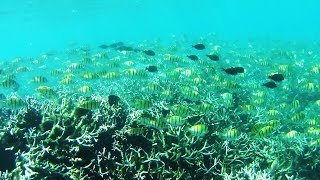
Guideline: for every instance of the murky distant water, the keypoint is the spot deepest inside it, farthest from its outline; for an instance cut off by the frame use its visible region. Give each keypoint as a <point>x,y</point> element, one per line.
<point>36,26</point>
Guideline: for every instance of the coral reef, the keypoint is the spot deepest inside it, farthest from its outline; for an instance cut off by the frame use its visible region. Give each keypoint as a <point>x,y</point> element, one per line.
<point>65,142</point>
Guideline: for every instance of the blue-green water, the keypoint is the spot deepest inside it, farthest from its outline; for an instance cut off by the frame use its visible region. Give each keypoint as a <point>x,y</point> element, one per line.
<point>36,26</point>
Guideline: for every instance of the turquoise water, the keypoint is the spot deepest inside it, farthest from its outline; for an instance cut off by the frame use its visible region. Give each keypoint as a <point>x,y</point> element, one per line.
<point>36,26</point>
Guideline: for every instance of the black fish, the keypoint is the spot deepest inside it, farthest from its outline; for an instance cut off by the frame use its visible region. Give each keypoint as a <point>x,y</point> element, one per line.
<point>152,68</point>
<point>270,84</point>
<point>213,57</point>
<point>193,57</point>
<point>276,77</point>
<point>116,45</point>
<point>78,112</point>
<point>165,112</point>
<point>113,100</point>
<point>125,48</point>
<point>7,157</point>
<point>149,52</point>
<point>199,46</point>
<point>234,70</point>
<point>136,50</point>
<point>103,46</point>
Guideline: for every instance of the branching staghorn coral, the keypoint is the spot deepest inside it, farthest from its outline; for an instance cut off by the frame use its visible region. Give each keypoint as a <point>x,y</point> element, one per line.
<point>64,141</point>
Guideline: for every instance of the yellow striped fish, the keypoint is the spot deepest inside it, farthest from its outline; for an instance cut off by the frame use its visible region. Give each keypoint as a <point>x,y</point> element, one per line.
<point>9,83</point>
<point>258,101</point>
<point>46,91</point>
<point>142,104</point>
<point>85,89</point>
<point>310,86</point>
<point>187,72</point>
<point>89,75</point>
<point>284,68</point>
<point>256,127</point>
<point>168,93</point>
<point>230,85</point>
<point>90,104</point>
<point>295,104</point>
<point>190,93</point>
<point>204,107</point>
<point>273,123</point>
<point>135,131</point>
<point>15,102</point>
<point>175,120</point>
<point>314,122</point>
<point>197,80</point>
<point>283,106</point>
<point>227,99</point>
<point>110,75</point>
<point>75,66</point>
<point>157,123</point>
<point>180,110</point>
<point>2,97</point>
<point>66,81</point>
<point>248,108</point>
<point>69,75</point>
<point>264,131</point>
<point>134,72</point>
<point>232,134</point>
<point>22,69</point>
<point>198,130</point>
<point>87,60</point>
<point>313,131</point>
<point>128,63</point>
<point>315,69</point>
<point>153,87</point>
<point>315,142</point>
<point>298,117</point>
<point>39,79</point>
<point>56,72</point>
<point>152,122</point>
<point>291,134</point>
<point>113,64</point>
<point>273,112</point>
<point>10,76</point>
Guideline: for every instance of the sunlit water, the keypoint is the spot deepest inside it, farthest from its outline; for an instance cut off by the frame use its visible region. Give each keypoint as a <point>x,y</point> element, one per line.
<point>37,26</point>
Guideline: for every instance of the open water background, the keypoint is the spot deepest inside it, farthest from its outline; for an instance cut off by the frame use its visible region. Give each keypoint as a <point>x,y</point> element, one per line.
<point>31,27</point>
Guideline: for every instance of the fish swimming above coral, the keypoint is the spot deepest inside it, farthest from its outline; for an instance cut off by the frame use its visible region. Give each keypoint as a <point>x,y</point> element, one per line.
<point>199,46</point>
<point>113,100</point>
<point>276,77</point>
<point>193,57</point>
<point>152,68</point>
<point>270,84</point>
<point>138,110</point>
<point>9,83</point>
<point>125,48</point>
<point>113,45</point>
<point>116,45</point>
<point>89,104</point>
<point>103,46</point>
<point>233,70</point>
<point>15,102</point>
<point>198,130</point>
<point>39,79</point>
<point>149,52</point>
<point>213,57</point>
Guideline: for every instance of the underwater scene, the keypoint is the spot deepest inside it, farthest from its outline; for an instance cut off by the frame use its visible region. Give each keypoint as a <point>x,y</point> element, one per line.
<point>184,90</point>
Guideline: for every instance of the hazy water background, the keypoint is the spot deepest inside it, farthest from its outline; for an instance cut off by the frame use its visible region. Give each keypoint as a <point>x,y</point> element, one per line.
<point>30,27</point>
